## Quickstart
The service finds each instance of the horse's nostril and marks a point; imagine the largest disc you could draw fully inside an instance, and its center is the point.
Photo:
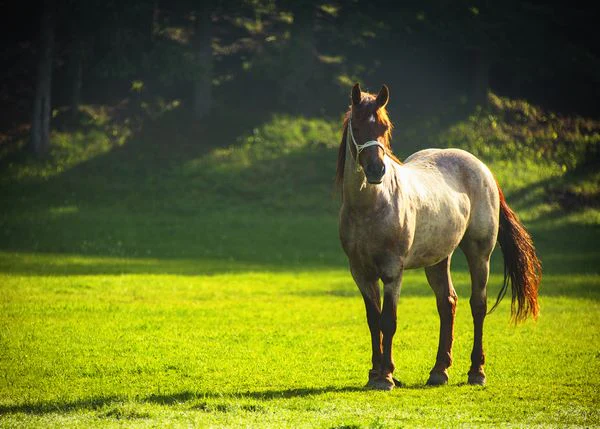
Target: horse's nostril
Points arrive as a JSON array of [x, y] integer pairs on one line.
[[375, 172]]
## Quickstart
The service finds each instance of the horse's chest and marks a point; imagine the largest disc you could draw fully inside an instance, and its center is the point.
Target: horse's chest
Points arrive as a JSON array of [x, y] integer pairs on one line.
[[373, 243]]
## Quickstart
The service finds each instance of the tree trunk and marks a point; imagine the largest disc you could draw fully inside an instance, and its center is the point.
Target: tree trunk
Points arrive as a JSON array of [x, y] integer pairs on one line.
[[42, 107], [202, 94]]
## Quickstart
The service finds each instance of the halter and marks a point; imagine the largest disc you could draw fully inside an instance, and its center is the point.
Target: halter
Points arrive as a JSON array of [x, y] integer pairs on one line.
[[360, 147]]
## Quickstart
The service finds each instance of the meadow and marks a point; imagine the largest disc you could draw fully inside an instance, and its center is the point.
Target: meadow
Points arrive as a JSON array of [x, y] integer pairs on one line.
[[154, 281]]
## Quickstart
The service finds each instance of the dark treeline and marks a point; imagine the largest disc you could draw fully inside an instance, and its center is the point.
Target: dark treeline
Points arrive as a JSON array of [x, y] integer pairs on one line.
[[228, 57]]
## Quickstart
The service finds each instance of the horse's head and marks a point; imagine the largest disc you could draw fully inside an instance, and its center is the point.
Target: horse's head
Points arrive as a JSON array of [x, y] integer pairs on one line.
[[369, 129]]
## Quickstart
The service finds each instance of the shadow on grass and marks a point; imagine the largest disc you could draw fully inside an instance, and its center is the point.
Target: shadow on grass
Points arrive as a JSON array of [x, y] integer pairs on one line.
[[191, 397], [107, 209], [264, 395], [173, 399], [37, 264], [61, 407]]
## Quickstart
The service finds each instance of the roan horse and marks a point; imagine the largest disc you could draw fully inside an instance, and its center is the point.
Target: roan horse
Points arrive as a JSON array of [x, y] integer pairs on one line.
[[397, 216]]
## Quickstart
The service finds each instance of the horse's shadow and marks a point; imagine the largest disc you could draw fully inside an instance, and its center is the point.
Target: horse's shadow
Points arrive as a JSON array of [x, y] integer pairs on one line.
[[180, 398], [265, 395]]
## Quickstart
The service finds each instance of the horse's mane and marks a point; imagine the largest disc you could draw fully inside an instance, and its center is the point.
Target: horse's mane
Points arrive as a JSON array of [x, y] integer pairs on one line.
[[367, 101]]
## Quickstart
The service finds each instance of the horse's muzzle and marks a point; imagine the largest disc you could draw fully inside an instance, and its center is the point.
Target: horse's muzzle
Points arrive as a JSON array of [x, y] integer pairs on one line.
[[375, 173]]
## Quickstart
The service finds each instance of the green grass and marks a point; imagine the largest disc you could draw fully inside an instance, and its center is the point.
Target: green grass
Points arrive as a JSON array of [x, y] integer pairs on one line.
[[263, 349], [166, 284]]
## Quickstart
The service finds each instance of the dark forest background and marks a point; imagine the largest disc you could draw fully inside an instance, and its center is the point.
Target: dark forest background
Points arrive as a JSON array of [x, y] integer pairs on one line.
[[215, 63]]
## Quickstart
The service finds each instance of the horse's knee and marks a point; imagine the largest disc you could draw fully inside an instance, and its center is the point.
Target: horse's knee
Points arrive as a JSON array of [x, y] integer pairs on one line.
[[388, 314], [388, 324], [452, 300]]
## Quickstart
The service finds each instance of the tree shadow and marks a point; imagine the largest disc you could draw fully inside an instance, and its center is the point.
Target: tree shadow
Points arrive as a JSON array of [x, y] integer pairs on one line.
[[124, 212], [129, 204]]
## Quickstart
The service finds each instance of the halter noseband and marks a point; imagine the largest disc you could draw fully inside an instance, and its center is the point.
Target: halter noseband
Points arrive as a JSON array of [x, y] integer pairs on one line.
[[360, 147]]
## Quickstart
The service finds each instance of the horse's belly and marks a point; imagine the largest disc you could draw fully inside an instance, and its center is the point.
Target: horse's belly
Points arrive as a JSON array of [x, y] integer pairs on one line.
[[425, 257], [435, 238]]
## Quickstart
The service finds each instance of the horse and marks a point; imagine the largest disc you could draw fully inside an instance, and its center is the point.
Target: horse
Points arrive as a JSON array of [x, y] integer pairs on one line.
[[398, 215]]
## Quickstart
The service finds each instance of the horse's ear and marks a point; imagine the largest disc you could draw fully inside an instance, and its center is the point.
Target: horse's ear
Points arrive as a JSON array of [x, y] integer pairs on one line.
[[383, 97], [356, 94]]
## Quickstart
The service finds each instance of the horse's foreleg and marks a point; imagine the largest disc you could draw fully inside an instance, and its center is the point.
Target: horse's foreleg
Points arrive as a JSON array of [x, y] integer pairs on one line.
[[440, 281], [369, 289], [391, 293], [372, 299]]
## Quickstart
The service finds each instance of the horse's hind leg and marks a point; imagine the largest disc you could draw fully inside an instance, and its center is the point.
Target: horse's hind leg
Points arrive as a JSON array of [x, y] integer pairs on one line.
[[439, 279], [478, 254]]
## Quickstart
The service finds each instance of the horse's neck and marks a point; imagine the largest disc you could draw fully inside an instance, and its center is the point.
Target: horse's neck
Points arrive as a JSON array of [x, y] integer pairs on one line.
[[359, 194]]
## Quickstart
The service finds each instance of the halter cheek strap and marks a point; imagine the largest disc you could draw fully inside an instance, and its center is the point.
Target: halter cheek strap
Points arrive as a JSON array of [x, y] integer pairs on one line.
[[360, 147]]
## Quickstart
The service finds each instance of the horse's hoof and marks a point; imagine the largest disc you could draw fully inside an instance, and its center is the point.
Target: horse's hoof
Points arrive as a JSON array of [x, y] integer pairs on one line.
[[382, 383], [477, 379], [437, 378], [373, 375]]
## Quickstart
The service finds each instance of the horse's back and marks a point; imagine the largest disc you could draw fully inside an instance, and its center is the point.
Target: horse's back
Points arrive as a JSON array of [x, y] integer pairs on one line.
[[458, 168], [448, 157]]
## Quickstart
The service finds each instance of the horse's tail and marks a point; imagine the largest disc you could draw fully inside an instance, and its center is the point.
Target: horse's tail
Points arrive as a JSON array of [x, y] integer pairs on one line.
[[522, 268]]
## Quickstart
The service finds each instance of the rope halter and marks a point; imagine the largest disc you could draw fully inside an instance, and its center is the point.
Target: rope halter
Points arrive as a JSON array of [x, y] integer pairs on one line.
[[360, 147]]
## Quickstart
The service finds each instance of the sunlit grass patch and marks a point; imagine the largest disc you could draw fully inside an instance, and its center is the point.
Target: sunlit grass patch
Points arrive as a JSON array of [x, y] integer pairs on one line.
[[286, 349]]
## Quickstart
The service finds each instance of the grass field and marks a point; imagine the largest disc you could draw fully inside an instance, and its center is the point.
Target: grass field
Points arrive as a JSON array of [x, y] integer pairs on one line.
[[162, 284]]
